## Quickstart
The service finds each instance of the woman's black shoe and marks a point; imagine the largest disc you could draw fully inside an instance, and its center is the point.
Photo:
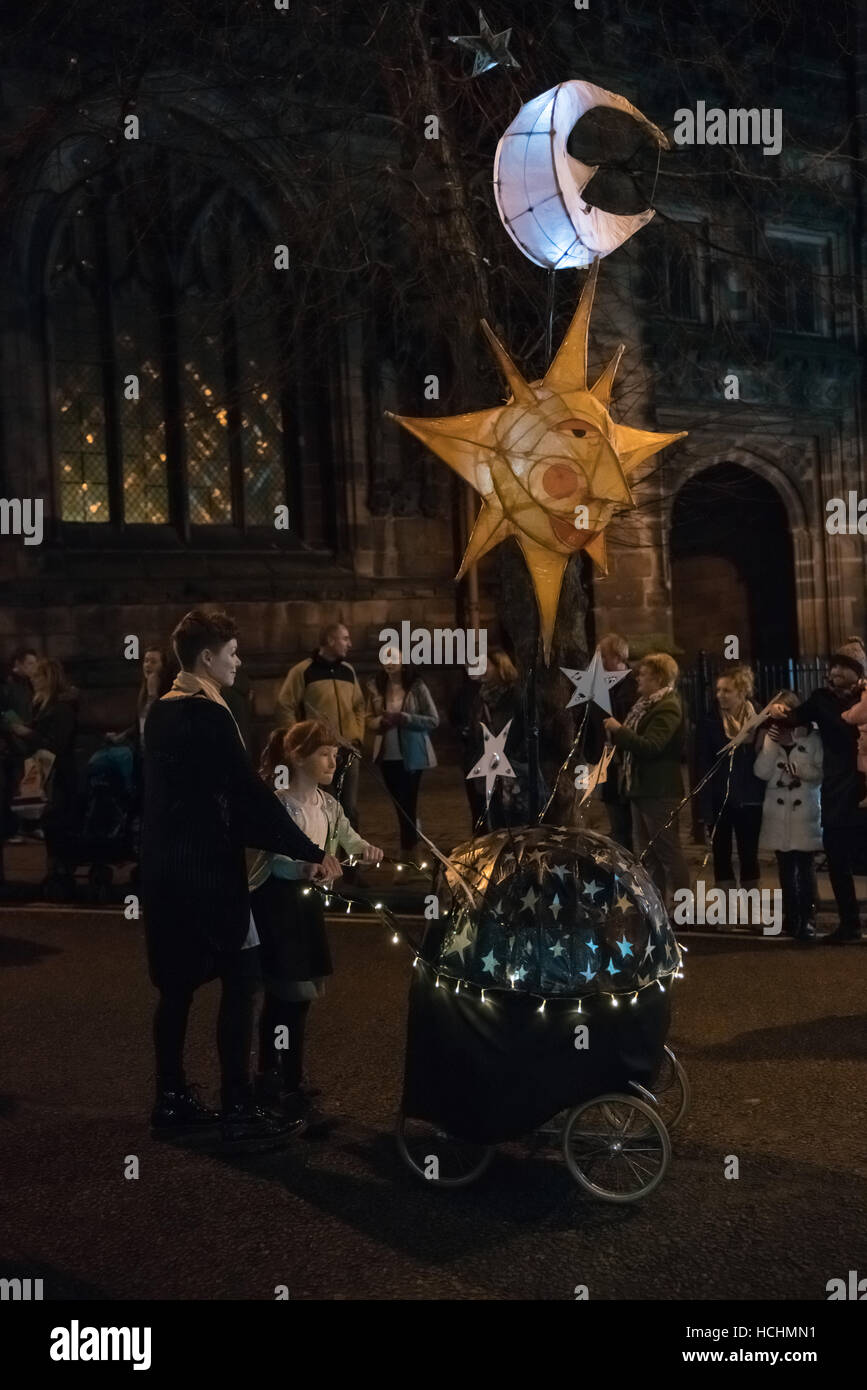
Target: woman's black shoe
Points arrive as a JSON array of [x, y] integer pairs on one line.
[[842, 936], [806, 933], [246, 1126], [296, 1107], [181, 1112]]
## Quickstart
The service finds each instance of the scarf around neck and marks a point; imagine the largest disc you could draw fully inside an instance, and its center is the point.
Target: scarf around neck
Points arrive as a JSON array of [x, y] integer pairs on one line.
[[632, 721], [186, 684], [733, 723]]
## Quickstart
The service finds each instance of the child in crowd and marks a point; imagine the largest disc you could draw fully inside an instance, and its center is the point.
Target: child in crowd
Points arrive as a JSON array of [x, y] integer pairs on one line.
[[289, 916], [790, 762]]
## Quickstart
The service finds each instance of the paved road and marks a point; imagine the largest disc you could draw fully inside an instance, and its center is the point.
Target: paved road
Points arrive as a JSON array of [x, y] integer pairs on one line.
[[774, 1039]]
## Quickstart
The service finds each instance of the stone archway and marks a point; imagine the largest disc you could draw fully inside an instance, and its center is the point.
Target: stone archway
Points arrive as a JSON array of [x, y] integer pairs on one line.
[[732, 564]]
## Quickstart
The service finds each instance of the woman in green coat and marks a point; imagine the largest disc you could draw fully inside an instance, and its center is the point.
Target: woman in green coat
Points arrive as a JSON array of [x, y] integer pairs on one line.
[[651, 740]]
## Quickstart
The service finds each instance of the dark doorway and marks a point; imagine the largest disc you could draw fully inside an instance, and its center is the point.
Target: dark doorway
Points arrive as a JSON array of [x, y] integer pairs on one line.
[[732, 567]]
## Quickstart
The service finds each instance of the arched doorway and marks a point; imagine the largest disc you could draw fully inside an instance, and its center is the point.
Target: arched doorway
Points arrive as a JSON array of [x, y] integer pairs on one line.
[[732, 567]]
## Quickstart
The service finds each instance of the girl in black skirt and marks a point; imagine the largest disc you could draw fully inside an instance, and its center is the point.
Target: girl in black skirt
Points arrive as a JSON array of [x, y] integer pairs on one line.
[[289, 917]]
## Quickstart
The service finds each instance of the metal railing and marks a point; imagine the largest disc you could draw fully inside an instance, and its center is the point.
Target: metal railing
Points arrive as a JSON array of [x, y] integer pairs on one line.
[[697, 683]]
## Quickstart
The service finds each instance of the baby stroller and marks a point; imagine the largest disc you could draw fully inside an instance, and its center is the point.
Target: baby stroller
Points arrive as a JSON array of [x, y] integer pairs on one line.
[[540, 1002]]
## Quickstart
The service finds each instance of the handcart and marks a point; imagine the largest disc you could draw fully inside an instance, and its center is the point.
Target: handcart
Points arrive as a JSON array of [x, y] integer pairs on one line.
[[540, 1007]]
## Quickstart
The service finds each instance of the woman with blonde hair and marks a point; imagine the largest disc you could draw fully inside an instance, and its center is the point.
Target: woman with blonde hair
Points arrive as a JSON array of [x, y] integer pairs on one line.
[[730, 803], [651, 740]]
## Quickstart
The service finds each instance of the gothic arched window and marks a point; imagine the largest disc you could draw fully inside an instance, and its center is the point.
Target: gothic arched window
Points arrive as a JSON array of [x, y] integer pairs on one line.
[[169, 379]]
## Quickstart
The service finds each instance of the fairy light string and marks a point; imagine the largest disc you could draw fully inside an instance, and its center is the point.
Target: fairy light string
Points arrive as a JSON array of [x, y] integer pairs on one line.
[[460, 985], [446, 978]]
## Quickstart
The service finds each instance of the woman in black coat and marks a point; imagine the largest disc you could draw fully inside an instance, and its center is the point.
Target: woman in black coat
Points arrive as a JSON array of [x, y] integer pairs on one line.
[[204, 804], [731, 801]]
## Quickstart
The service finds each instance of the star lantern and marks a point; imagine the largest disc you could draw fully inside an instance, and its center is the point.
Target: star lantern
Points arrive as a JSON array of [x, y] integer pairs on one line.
[[567, 915], [550, 465], [493, 763], [593, 685], [490, 50]]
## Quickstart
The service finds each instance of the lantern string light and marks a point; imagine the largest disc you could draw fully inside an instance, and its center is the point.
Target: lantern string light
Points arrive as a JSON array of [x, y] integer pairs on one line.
[[469, 987]]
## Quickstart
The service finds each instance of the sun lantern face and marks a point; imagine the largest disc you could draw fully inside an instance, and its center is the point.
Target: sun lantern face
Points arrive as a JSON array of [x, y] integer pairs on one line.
[[551, 466]]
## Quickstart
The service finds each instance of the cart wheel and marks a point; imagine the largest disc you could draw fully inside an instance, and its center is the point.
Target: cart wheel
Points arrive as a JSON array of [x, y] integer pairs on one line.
[[100, 878], [616, 1147], [671, 1089], [439, 1158]]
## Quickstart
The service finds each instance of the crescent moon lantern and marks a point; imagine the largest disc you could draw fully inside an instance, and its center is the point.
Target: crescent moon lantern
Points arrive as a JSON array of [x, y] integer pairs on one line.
[[538, 185]]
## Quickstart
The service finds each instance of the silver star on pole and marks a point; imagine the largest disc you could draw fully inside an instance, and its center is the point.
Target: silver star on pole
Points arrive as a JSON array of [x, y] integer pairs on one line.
[[493, 763], [491, 50], [593, 684]]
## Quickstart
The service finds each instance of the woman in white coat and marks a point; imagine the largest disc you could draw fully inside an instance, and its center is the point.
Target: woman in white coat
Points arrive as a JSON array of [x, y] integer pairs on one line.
[[790, 762]]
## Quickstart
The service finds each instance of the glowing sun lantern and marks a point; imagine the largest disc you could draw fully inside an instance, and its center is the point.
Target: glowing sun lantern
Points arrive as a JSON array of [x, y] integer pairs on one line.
[[538, 186], [551, 466]]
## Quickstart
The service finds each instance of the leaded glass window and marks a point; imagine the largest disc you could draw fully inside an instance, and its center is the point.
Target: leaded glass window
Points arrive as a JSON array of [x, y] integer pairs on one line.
[[166, 361]]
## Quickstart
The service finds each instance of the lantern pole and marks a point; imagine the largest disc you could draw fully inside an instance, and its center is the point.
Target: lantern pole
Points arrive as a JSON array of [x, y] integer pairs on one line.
[[532, 710], [532, 727], [549, 326]]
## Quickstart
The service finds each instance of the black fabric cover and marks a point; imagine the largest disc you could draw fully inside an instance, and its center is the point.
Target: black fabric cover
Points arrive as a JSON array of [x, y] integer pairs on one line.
[[495, 1071]]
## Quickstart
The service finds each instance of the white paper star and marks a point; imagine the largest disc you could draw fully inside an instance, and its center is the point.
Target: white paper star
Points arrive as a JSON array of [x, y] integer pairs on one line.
[[489, 962], [493, 763], [593, 888], [556, 907], [557, 949], [593, 684], [461, 941], [529, 900]]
